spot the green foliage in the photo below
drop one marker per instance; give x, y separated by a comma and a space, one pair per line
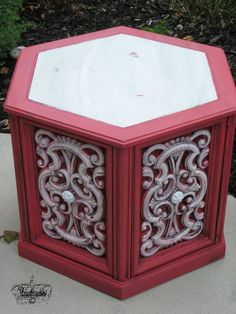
217, 13
159, 28
10, 25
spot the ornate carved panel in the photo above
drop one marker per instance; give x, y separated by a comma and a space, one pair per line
174, 187
71, 185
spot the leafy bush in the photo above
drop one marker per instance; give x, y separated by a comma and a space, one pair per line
217, 13
10, 25
159, 28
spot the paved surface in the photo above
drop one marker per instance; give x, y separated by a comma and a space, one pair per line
211, 289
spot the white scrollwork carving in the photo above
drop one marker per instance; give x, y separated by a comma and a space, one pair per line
71, 184
174, 184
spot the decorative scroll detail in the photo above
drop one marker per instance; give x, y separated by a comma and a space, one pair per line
71, 184
175, 184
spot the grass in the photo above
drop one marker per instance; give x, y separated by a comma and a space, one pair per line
159, 28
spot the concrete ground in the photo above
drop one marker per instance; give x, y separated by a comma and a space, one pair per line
211, 289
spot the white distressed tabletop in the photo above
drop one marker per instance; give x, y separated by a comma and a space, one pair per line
122, 79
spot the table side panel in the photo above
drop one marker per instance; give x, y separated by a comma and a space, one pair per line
104, 264
212, 210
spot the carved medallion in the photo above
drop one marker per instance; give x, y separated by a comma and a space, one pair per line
71, 185
174, 188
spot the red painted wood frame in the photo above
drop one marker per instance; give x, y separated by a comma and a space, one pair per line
123, 273
209, 236
17, 101
36, 235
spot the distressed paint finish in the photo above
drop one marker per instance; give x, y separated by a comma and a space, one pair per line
71, 183
110, 70
175, 184
122, 271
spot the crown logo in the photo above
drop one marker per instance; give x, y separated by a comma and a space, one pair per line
31, 293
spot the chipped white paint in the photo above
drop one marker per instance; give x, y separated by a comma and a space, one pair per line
122, 79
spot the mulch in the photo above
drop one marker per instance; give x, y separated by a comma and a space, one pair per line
65, 18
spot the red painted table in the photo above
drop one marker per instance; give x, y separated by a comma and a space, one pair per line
122, 142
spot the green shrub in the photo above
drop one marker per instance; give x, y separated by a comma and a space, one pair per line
11, 26
159, 28
217, 13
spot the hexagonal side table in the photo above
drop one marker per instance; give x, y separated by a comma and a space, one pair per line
122, 142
